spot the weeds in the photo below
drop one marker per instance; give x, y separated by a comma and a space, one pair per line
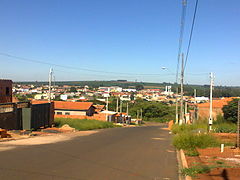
190, 141
193, 171
192, 152
83, 124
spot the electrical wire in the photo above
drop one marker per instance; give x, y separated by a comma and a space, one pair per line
182, 24
76, 68
191, 33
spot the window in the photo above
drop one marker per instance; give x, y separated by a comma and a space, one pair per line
67, 113
7, 91
59, 113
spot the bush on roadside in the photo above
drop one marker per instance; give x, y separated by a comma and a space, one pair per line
225, 128
190, 141
83, 124
176, 129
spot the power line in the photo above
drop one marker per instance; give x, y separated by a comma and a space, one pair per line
190, 37
76, 68
183, 16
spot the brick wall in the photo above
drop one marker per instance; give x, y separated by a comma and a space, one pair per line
5, 91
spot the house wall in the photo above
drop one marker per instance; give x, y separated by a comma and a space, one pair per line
5, 91
75, 113
100, 117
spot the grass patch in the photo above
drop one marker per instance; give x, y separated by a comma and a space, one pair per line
83, 124
192, 152
193, 171
184, 128
191, 141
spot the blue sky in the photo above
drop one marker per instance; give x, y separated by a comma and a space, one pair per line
127, 36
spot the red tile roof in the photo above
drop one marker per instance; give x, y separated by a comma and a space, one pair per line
72, 105
68, 105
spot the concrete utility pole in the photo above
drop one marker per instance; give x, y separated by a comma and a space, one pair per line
107, 106
107, 100
181, 102
117, 106
120, 106
195, 106
176, 122
50, 84
238, 126
210, 120
127, 109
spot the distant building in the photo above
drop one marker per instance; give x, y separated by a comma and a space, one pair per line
44, 96
129, 90
5, 91
110, 89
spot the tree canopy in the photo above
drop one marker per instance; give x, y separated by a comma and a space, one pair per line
230, 111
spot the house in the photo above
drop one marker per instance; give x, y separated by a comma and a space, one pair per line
5, 91
74, 108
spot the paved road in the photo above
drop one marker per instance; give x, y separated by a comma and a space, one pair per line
136, 153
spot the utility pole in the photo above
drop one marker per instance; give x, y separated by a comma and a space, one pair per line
127, 109
107, 106
141, 114
50, 84
195, 106
107, 100
210, 120
238, 126
181, 102
117, 106
176, 122
120, 106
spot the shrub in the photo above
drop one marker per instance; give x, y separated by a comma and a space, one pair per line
176, 129
190, 141
83, 124
225, 128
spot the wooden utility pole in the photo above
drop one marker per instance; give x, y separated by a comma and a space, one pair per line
238, 126
210, 120
181, 102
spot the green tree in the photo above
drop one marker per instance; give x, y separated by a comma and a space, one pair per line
230, 111
73, 89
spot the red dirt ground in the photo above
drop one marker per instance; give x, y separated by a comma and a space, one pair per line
210, 156
228, 162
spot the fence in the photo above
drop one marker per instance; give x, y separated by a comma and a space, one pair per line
25, 115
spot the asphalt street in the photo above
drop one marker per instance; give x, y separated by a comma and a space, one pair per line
135, 153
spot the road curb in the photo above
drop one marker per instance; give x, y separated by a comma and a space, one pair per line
182, 164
